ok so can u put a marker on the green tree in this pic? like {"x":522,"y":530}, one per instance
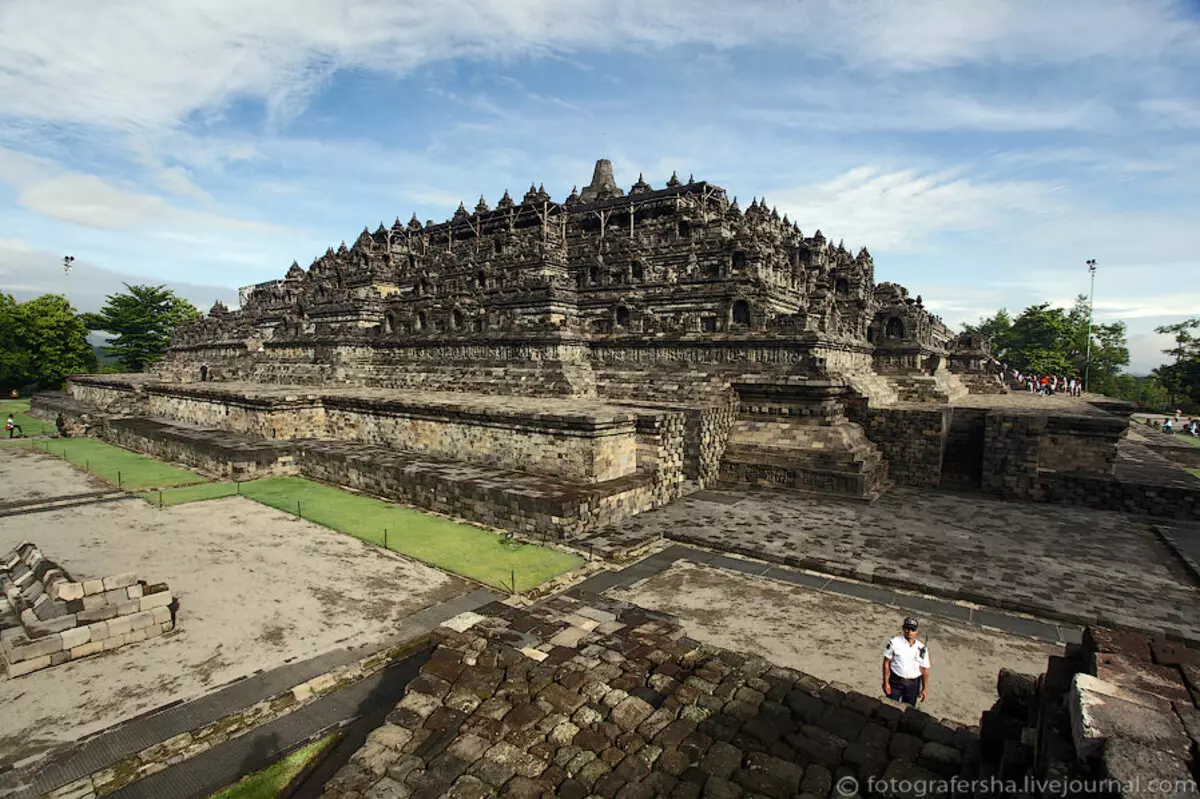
{"x":41,"y":342}
{"x":142,"y":321}
{"x":997,"y":329}
{"x":1038,"y":340}
{"x":1046,"y":340}
{"x":1181,"y":379}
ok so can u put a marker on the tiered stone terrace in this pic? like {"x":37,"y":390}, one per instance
{"x":576,"y":363}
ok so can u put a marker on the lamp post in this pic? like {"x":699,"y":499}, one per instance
{"x":1087,"y":364}
{"x":67,"y":261}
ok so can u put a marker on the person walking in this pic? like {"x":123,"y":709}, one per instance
{"x":12,"y":427}
{"x":906,"y":666}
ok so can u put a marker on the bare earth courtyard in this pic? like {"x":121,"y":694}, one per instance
{"x":833,"y":637}
{"x":257,"y":588}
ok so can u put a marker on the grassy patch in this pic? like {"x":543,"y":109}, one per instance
{"x":29,"y":425}
{"x":191,"y":493}
{"x":270,"y":782}
{"x":1195,"y":472}
{"x":455,"y":547}
{"x":117,"y":465}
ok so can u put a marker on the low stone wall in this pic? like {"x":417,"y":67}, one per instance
{"x":266,"y":417}
{"x":211,"y":451}
{"x":587,"y":445}
{"x":79,"y":419}
{"x":911,"y":440}
{"x":587,"y":442}
{"x":46,"y":618}
{"x":108,"y":395}
{"x":983,"y":383}
{"x":1105,"y":492}
{"x":507,"y":500}
{"x":1177,"y":452}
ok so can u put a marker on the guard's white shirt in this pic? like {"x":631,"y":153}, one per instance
{"x":907,"y":659}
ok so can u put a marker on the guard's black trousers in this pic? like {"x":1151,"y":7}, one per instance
{"x":904,"y":690}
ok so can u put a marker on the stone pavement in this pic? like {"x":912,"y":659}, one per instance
{"x":606,"y":699}
{"x":1070,"y":564}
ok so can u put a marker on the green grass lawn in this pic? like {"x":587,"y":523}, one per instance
{"x":29,"y":425}
{"x":459,"y":548}
{"x":119,"y":466}
{"x":270,"y":782}
{"x":1195,"y":472}
{"x":192,"y":493}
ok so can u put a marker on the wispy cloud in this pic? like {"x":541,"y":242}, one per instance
{"x":981,"y":150}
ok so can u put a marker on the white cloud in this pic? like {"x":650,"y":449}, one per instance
{"x":902,"y":210}
{"x":137,"y":67}
{"x":27,"y":273}
{"x":1179,"y":112}
{"x":93,"y":202}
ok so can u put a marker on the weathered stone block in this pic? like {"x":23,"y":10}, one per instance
{"x":121,"y":625}
{"x":37,"y":628}
{"x":141,"y":620}
{"x":66,"y":592}
{"x":631,"y":712}
{"x":1100,"y":712}
{"x":29,"y":665}
{"x":19,"y":648}
{"x":151,"y":601}
{"x":940,"y":759}
{"x":119,"y":581}
{"x":1147,"y":771}
{"x":102,"y":613}
{"x":84,"y":650}
{"x":77,"y":636}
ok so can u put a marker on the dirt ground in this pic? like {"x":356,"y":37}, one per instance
{"x":835,"y":638}
{"x":257,"y":588}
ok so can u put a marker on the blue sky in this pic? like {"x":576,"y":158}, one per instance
{"x":983,"y":151}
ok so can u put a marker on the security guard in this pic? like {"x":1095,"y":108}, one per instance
{"x":906,"y":666}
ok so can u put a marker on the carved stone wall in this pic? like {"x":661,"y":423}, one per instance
{"x":674,"y":276}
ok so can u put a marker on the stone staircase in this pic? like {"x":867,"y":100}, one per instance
{"x":878,"y":390}
{"x":940,"y":388}
{"x":835,"y":459}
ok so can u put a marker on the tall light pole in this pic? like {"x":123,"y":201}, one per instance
{"x":1087,"y":364}
{"x":67,"y":261}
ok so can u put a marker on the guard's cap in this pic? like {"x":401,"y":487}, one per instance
{"x":910,"y":623}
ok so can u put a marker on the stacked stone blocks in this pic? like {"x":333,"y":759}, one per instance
{"x":571,"y":699}
{"x":48,"y":618}
{"x":1117,"y":715}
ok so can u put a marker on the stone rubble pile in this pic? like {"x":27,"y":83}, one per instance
{"x":606,"y":699}
{"x":48,"y":618}
{"x":1117,"y":715}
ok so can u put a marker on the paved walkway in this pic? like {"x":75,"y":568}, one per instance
{"x":1069,"y":564}
{"x":661,"y":561}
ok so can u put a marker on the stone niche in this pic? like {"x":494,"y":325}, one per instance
{"x":48,"y":618}
{"x":794,"y":433}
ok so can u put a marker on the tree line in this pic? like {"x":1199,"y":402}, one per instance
{"x":44,"y":340}
{"x":1054,"y":341}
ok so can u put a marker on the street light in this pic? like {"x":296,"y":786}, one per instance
{"x":67,"y":261}
{"x":1087,"y":364}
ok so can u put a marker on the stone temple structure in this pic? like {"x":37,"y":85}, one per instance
{"x":554,"y":366}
